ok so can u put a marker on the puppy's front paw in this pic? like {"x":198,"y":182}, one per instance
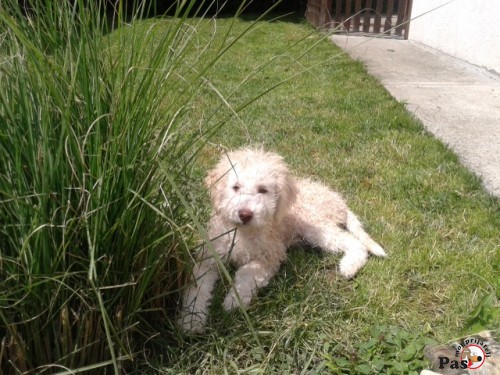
{"x":192,"y":323}
{"x":231,"y":301}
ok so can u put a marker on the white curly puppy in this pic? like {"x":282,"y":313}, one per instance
{"x":253,"y":191}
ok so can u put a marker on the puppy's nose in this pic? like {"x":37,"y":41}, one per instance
{"x":245,"y":215}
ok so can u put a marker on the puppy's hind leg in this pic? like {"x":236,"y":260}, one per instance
{"x":356,"y":228}
{"x":334,"y":239}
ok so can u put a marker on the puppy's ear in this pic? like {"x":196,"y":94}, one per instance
{"x":287,"y":190}
{"x":211,"y":178}
{"x":211,"y":181}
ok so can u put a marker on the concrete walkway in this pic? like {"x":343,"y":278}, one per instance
{"x":459,"y":103}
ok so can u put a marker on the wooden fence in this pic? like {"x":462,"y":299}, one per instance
{"x":387,"y":17}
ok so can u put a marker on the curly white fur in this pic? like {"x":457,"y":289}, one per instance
{"x":253,"y":191}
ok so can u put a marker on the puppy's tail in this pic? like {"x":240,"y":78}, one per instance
{"x":356,"y":228}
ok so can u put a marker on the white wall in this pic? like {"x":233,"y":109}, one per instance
{"x":466,"y":29}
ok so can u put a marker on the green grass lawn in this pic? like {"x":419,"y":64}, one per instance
{"x":333,"y":121}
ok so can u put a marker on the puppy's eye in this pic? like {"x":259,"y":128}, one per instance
{"x":236,"y":188}
{"x":262,"y":190}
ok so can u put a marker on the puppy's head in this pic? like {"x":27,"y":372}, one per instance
{"x":251,"y":187}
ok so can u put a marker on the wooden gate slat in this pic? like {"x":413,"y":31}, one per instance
{"x":338,"y":13}
{"x":401,"y":16}
{"x":409,"y":5}
{"x":357,"y":15}
{"x":347,"y":22}
{"x":378,"y":17}
{"x":388,"y":18}
{"x":367,"y":16}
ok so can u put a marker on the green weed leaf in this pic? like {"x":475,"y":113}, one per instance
{"x":484,"y":316}
{"x":363,"y":369}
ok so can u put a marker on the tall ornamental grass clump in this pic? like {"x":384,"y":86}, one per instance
{"x":95,"y":165}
